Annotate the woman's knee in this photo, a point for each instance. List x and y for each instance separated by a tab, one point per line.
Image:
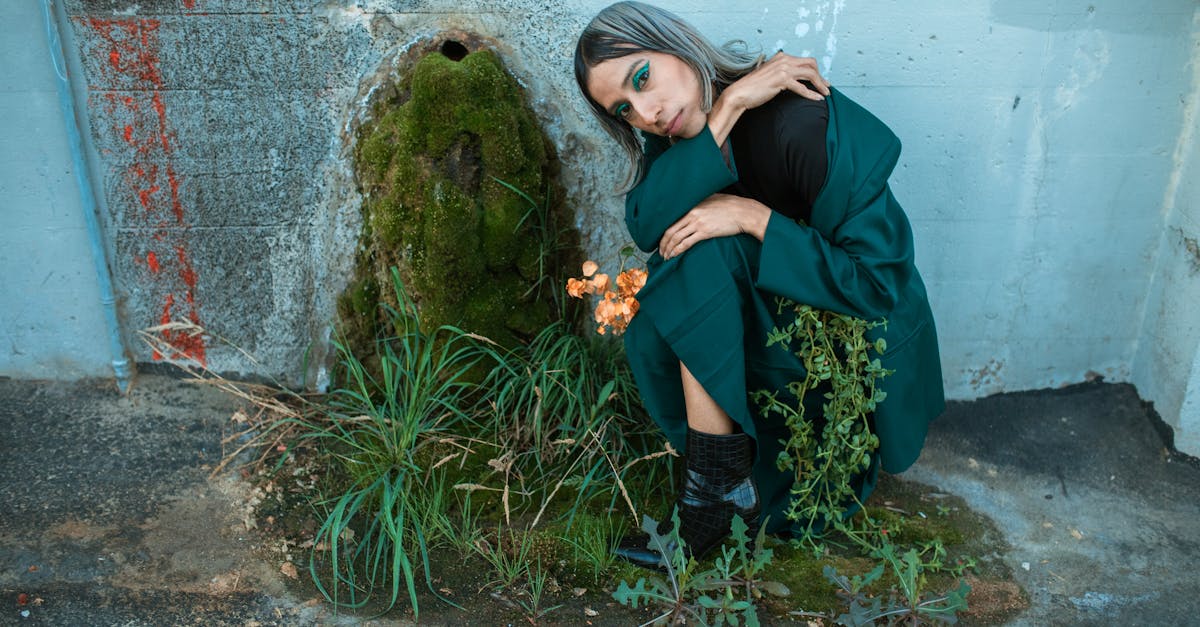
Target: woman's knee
738	254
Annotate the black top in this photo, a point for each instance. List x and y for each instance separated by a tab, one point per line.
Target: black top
779	153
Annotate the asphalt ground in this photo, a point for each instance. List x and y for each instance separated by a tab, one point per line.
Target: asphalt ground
109	516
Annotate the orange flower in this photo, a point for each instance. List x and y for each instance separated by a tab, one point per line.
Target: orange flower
631	281
576	288
613	309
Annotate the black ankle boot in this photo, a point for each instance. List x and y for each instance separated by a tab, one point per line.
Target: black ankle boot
716	485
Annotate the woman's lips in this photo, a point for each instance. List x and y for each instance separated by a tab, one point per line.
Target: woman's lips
675	124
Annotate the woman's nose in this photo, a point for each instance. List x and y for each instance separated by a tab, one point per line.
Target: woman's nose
647	111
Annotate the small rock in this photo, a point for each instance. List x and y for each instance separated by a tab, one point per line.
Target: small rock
24	613
587	611
972	463
579	591
289	569
1025	565
1075	533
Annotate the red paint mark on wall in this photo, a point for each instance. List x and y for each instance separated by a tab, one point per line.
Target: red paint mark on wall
139	117
186	273
132	47
176	204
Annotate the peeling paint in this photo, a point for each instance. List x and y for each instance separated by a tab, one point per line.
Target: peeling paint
1091	58
824	14
140	119
986	375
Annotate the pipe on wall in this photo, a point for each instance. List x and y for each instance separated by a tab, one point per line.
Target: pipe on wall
120	354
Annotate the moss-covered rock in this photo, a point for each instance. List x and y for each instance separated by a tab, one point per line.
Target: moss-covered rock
438	167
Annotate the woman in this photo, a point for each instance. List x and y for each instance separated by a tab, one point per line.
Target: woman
756	180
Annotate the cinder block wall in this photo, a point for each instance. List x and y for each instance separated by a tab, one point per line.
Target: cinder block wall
1043	167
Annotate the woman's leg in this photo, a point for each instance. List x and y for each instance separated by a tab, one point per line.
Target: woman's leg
703	413
717	482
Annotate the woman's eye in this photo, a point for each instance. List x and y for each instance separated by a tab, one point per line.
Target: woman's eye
639	79
623	110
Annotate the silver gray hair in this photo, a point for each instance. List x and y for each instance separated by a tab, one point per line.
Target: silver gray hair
626	28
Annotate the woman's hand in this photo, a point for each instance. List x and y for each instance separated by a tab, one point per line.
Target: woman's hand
719	215
782	72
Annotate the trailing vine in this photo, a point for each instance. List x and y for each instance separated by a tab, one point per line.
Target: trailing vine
844	367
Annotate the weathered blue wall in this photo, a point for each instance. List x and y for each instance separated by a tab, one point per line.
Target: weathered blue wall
1166	367
51	323
1048	165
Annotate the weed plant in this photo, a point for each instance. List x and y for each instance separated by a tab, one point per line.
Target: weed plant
414	445
535	607
724	593
563	412
376	529
594	540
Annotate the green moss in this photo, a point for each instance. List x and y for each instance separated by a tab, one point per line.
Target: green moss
469	247
804	576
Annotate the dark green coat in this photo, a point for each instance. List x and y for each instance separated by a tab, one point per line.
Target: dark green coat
712	306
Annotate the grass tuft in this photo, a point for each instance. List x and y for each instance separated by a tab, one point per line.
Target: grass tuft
376	529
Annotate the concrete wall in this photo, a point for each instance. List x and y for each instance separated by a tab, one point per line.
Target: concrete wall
51	323
1041	139
1166	367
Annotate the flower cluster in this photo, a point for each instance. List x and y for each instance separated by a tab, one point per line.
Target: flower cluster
615	309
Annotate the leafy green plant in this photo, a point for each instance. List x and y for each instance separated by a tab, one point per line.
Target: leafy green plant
375	428
843	367
723	593
909	607
840	367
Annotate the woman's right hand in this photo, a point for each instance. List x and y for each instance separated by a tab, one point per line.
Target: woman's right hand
781	72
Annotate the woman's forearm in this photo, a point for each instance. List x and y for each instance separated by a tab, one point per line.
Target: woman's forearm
722	117
782	72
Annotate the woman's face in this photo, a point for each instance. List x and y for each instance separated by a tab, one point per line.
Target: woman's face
655	92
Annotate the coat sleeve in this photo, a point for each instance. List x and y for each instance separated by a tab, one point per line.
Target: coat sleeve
675	180
859	264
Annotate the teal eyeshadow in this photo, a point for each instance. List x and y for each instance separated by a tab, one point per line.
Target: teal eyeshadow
637	78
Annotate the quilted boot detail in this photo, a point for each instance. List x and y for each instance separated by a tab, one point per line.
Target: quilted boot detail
717	484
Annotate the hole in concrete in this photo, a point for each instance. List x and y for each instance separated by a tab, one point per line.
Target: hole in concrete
454	50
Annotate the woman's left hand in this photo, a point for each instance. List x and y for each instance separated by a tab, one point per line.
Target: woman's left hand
719	215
